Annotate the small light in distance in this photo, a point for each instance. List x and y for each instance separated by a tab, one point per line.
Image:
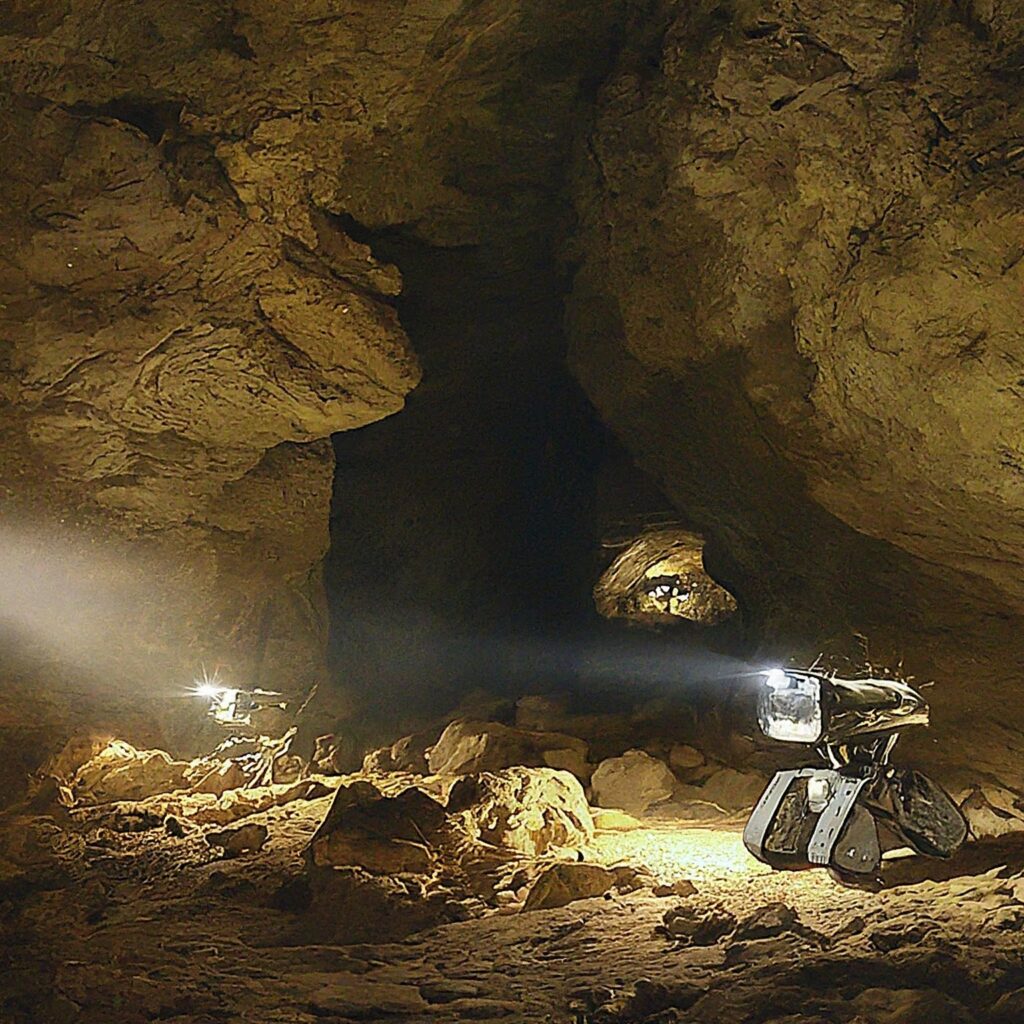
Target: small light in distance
207	690
208	687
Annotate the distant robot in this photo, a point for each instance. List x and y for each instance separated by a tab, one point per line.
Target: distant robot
846	816
232	706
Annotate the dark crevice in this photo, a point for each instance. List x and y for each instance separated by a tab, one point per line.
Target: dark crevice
154	118
228	37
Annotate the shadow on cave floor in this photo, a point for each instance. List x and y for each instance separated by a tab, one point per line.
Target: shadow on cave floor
977	858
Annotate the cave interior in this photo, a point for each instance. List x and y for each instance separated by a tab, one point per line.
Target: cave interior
429	430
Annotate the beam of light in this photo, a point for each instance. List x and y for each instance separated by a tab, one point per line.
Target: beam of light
62	597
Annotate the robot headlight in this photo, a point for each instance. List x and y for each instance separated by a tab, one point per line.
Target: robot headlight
789	707
805	707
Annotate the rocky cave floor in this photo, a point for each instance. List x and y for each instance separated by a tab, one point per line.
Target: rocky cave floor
300	901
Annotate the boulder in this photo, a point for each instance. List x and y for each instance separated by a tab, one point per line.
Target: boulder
990	814
633	782
529	810
409	754
467	746
381	834
79	749
378	856
683	758
562	884
226	776
120	772
236	841
570	759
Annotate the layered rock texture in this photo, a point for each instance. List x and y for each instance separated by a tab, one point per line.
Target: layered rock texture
793	231
186	315
799	304
802	277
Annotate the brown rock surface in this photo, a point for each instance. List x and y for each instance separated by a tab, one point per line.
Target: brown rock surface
634	782
120	772
529	810
562	884
248	838
187	315
466	747
799	305
165	356
809	205
378	833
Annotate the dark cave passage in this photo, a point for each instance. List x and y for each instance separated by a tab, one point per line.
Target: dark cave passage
469	531
464	525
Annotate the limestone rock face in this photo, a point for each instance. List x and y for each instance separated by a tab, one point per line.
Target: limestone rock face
166	352
187	310
798	304
801	266
529	810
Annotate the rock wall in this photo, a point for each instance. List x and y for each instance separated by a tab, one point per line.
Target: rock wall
799	304
188	309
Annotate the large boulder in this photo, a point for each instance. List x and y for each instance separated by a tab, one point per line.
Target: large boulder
120	772
634	782
528	810
381	834
468	746
732	789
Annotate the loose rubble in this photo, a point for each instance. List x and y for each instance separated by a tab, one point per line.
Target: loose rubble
400	894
